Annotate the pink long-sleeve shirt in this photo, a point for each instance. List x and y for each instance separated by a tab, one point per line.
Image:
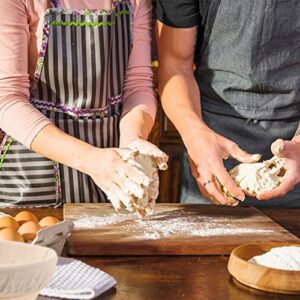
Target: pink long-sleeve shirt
21	25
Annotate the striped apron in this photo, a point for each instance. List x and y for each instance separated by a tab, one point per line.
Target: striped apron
78	86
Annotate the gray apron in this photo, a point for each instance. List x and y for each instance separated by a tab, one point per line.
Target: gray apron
248	72
78	86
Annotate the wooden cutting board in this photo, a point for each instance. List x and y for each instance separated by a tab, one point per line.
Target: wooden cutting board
174	229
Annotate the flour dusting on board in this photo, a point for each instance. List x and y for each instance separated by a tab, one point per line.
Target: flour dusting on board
167	224
87	222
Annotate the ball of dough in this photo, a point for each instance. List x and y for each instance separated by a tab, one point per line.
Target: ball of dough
256	178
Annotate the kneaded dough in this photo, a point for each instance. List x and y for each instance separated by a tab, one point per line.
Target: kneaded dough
255	178
148	165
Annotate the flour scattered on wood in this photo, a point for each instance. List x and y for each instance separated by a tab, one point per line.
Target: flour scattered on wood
168	224
283	258
98	222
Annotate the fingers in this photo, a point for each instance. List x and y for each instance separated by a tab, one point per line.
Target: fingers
208	186
154	186
130	187
146	148
249	193
134	174
212	190
227	182
162	162
218	195
118	194
236	152
120	199
281	148
287	184
111	196
277	147
126	154
150	207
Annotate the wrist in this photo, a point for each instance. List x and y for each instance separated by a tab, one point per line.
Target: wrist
136	124
194	132
83	158
127	139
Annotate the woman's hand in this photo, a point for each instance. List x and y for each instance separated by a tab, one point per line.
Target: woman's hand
147	148
206	154
150	159
289	151
120	181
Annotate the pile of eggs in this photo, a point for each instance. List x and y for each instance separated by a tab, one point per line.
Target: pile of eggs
23	227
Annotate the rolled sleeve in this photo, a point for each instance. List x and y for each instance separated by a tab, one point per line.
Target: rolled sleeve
178	13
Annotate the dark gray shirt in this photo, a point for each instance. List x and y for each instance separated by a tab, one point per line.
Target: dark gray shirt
247	54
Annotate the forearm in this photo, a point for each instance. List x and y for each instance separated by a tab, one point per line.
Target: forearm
180	98
58	146
135	124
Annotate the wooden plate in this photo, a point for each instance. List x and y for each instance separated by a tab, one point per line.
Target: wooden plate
259	277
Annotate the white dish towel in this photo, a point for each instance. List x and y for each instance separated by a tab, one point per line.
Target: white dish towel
74	279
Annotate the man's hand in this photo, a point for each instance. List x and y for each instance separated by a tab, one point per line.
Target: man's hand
206	154
289	151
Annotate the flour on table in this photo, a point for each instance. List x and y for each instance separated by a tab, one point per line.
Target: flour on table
168	224
283	258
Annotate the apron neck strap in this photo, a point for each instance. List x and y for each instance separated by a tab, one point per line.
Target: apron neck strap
115	3
55	3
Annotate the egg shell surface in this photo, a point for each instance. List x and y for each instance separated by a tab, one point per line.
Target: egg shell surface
48	221
8	222
29	230
10	234
25	216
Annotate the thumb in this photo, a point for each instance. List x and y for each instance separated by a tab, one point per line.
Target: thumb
242	156
126	154
281	148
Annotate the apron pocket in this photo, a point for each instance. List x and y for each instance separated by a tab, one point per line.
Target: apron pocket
27	179
101	132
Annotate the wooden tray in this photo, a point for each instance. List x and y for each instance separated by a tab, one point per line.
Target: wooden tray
175	229
260	277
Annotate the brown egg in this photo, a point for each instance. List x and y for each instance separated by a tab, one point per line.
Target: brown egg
10	234
8	222
48	221
25	216
28	230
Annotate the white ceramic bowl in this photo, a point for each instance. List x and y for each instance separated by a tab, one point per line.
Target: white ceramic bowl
24	270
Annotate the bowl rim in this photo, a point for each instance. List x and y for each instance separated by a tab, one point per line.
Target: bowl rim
233	253
52	256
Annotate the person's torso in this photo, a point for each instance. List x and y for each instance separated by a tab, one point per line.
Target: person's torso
35	14
78	85
248	58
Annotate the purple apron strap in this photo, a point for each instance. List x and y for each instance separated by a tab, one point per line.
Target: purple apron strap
55	3
117	2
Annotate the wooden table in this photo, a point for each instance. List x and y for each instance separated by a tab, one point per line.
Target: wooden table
180	277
